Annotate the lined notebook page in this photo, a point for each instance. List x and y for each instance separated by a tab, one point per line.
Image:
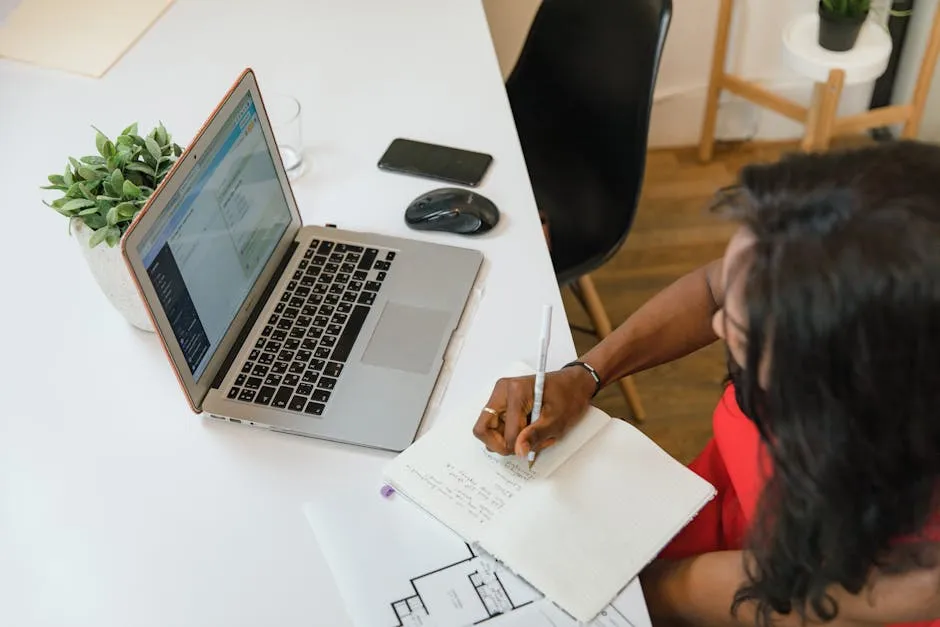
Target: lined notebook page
449	473
583	534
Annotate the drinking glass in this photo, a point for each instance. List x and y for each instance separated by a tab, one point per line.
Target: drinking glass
284	112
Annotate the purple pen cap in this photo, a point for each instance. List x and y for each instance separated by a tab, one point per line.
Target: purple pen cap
387	490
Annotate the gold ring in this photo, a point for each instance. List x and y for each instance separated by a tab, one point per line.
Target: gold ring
490	410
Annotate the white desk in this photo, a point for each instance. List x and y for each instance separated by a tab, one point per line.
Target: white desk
120	507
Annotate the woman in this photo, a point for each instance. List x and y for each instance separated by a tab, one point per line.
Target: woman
826	447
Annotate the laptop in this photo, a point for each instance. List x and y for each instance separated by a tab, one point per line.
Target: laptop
309	330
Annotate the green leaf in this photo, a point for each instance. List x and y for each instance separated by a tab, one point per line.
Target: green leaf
86	191
75	163
89	174
113	236
94	221
78	203
100	141
97	237
56	179
75	191
67	176
153	148
141	167
160	135
177	150
126	210
58	203
113	216
130	130
94	160
61	188
138	140
88	211
130	190
124	141
117	180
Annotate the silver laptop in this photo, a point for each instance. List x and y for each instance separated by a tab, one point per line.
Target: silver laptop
304	329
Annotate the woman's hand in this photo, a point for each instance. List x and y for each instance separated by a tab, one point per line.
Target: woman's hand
566	395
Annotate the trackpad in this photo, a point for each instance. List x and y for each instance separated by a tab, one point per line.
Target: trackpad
406	338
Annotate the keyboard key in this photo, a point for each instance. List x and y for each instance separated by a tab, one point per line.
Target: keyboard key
352	258
283	324
347	268
336	257
278	334
366	298
368	258
326	310
259	370
260	343
320	288
291	285
297	275
321	395
266	331
304	355
265	394
308	281
282	396
302	291
266	359
309	344
291	313
297	403
326	383
328	340
337	288
291	379
339	318
332	299
325	248
308	310
349	297
353	248
332	268
305	389
326	277
297	367
315	408
297	332
334	329
340	248
254	354
312	271
285	296
273	380
315	299
253	383
314	243
247	395
296	301
356	285
320	321
382	265
303	264
333	369
356	319
344	307
233	392
286	355
240	379
303	321
310	377
390	255
380	277
373	286
317	364
342	279
308	253
291	344
279	367
322	352
273	346
359	275
319	260
314	332
247	366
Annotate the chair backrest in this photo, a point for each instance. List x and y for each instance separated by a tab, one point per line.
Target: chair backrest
581	94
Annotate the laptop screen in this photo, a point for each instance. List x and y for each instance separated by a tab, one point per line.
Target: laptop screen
206	250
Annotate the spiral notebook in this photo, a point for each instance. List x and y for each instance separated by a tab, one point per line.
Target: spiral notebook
579	526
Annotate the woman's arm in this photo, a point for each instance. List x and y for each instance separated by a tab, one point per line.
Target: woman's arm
700	590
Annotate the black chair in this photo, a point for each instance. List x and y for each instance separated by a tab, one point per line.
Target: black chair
581	93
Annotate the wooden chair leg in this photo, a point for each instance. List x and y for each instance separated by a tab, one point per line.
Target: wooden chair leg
822	113
922	87
808	144
707	142
598	315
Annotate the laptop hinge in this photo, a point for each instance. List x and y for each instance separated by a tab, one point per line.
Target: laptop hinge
258	308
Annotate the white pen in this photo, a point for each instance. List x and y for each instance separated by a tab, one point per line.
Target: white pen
544	337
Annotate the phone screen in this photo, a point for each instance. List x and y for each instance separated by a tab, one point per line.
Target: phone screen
436	162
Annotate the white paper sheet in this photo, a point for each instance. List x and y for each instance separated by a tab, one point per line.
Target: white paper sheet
395	566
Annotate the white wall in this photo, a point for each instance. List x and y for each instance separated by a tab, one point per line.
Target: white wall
918	31
754	53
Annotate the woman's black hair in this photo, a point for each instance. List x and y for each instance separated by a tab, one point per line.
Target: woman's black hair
842	290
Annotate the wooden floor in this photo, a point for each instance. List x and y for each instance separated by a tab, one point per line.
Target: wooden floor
673	234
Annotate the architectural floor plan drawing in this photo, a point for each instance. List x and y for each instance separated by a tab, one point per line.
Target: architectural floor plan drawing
468	592
395	566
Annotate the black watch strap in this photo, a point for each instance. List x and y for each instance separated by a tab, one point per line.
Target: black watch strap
591	371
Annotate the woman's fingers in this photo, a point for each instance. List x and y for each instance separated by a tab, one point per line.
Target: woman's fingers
490	426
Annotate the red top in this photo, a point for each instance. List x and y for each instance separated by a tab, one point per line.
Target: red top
735	463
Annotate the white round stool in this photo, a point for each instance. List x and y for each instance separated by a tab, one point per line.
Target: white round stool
830	71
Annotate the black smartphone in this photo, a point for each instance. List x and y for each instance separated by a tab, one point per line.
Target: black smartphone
442	163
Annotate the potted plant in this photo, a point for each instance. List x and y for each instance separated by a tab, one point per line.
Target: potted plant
101	195
840	22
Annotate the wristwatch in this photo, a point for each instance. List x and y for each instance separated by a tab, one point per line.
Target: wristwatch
591	371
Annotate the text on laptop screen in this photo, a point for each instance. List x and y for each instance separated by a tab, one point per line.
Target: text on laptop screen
205	252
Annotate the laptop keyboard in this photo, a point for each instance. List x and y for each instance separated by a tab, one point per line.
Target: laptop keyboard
303	348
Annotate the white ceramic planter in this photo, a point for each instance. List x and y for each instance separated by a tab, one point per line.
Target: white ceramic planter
109	270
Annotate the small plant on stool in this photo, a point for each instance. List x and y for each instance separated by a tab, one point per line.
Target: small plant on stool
840	22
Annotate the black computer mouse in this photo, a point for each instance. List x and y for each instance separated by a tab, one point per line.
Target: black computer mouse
453	210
